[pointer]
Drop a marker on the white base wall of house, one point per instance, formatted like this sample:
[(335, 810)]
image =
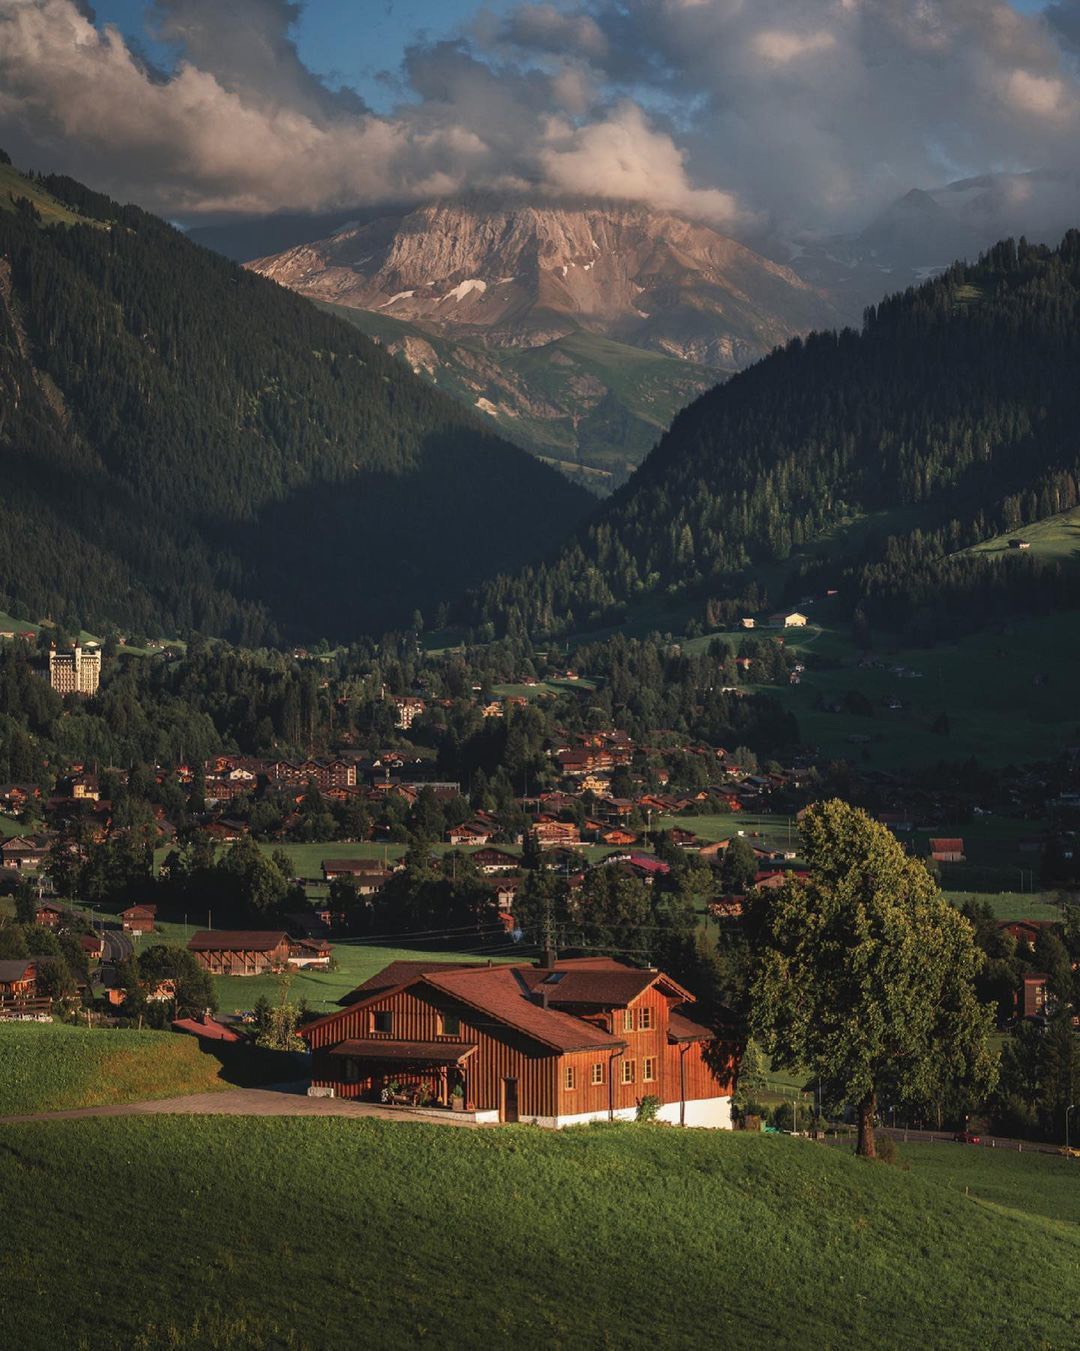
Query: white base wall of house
[(707, 1113), (710, 1113)]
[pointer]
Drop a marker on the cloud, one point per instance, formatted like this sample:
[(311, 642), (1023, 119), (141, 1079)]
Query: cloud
[(807, 113)]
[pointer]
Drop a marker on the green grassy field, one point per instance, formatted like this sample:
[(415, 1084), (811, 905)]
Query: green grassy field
[(53, 1066), (251, 1232), (1056, 538), (322, 989)]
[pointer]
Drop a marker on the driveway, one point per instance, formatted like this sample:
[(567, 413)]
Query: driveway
[(278, 1100)]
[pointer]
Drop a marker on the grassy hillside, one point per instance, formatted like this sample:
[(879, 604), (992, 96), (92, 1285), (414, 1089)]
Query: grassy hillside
[(53, 1067), (1007, 692), (589, 405), (14, 185), (317, 1232)]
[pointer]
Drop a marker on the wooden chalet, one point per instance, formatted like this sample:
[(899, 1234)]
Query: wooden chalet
[(18, 978), (138, 919), (24, 852), (240, 952), (581, 1040), (49, 914), (305, 953)]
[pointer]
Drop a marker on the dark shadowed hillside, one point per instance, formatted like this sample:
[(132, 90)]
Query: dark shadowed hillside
[(186, 445)]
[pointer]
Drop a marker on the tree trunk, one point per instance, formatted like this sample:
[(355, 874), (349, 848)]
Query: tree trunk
[(867, 1147)]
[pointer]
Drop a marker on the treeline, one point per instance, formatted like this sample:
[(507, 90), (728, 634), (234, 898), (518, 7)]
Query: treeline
[(952, 413), (191, 447), (172, 709)]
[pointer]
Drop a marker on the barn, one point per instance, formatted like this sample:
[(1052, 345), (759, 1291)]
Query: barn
[(581, 1040), (240, 952)]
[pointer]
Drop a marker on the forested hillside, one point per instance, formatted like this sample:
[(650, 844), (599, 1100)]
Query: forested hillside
[(856, 462), (186, 445)]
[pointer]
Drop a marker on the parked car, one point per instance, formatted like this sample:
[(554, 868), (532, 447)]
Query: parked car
[(967, 1138)]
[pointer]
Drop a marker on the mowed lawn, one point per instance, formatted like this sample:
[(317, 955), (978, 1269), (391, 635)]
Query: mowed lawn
[(254, 1232)]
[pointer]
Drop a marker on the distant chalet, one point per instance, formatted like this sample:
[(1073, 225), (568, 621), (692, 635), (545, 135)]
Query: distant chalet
[(240, 952), (583, 1040)]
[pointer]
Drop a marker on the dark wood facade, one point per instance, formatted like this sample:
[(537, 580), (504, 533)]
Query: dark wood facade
[(619, 1056)]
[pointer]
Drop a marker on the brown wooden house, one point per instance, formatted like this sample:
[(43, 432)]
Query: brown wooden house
[(18, 979), (583, 1040), (240, 952), (138, 919)]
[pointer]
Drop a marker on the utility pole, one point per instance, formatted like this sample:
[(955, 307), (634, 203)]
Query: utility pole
[(550, 955)]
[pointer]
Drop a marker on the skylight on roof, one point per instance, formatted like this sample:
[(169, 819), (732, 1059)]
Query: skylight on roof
[(554, 978)]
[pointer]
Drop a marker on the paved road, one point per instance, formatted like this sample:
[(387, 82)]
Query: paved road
[(118, 948), (279, 1100)]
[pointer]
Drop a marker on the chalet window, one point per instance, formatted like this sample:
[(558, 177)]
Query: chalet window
[(644, 1019), (598, 1072), (449, 1025), (628, 1071), (628, 1020), (569, 1078), (648, 1069), (382, 1021), (352, 1071)]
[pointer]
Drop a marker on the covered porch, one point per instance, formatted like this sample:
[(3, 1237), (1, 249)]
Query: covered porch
[(415, 1074)]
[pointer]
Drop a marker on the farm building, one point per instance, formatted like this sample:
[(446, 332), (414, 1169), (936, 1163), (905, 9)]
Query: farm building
[(240, 952), (790, 619), (49, 914), (947, 850), (581, 1040)]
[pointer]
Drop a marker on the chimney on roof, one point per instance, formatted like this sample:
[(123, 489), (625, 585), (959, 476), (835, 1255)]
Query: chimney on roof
[(544, 992)]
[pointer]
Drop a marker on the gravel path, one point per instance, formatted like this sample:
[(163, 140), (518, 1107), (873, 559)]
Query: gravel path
[(280, 1100)]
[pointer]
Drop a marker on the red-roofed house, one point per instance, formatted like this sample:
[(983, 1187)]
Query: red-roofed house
[(584, 1040), (947, 850)]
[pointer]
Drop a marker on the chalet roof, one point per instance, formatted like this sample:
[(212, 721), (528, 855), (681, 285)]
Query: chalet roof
[(947, 846), (150, 910), (607, 987), (409, 1052), (394, 976), (501, 993), (237, 940), (15, 968), (352, 865), (681, 1028)]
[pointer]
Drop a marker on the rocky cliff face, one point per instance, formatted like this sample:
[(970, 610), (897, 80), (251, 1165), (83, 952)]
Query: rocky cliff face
[(525, 275), (580, 329)]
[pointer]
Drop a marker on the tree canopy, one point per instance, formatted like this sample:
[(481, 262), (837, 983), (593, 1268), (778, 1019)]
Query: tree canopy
[(863, 974)]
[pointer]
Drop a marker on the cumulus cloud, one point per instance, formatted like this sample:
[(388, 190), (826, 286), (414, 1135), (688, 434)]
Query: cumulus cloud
[(810, 113)]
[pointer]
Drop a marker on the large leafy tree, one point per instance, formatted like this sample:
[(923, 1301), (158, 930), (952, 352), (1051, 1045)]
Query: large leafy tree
[(864, 973)]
